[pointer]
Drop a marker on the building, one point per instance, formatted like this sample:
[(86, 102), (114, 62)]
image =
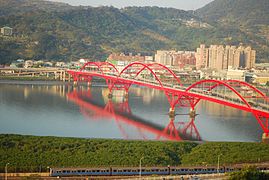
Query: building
[(219, 57), (201, 57), (177, 59), (261, 78), (122, 60), (149, 59), (164, 57), (6, 31), (128, 58), (235, 74), (28, 64)]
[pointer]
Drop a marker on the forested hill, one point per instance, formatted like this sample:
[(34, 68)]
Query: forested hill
[(242, 12), (58, 31), (15, 7)]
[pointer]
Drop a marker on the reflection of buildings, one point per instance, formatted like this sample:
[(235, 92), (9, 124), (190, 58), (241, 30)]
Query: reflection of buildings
[(147, 94), (57, 90), (118, 96), (125, 120), (221, 110)]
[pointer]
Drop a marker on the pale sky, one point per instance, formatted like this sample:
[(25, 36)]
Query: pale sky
[(179, 4)]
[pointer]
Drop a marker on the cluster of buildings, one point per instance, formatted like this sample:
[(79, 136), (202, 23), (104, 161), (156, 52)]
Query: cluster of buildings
[(176, 59), (6, 31), (21, 63), (219, 57), (213, 62), (173, 59)]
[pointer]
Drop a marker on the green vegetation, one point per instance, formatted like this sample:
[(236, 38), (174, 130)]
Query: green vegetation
[(229, 152), (57, 31), (249, 173), (29, 152), (32, 153)]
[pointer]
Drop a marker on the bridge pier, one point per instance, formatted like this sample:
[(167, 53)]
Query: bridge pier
[(172, 113), (75, 83), (265, 138), (192, 113), (110, 95)]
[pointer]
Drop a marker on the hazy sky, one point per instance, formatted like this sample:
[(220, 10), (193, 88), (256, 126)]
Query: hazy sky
[(179, 4)]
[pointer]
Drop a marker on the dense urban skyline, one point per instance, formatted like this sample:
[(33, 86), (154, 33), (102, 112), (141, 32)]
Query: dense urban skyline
[(179, 4)]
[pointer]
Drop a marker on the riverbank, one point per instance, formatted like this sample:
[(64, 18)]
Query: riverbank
[(36, 153), (28, 78)]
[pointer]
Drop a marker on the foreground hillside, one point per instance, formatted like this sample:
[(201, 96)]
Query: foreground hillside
[(32, 153), (58, 31)]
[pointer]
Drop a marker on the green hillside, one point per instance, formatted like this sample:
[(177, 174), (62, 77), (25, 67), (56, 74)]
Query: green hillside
[(15, 7), (57, 31), (237, 12)]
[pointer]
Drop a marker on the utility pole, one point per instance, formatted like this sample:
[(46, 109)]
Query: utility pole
[(140, 168), (6, 171)]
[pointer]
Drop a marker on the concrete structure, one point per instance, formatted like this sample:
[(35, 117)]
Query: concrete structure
[(219, 58), (149, 59), (261, 78), (235, 74), (28, 64), (6, 31)]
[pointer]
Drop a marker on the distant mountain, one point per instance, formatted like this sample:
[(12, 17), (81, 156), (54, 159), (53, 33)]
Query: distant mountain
[(15, 7), (237, 12), (58, 31)]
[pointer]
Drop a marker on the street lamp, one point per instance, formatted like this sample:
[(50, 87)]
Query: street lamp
[(140, 168), (49, 169), (218, 161), (6, 171)]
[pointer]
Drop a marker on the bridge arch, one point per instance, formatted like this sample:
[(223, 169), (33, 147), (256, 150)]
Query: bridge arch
[(250, 86), (99, 65), (143, 67), (164, 68), (217, 84)]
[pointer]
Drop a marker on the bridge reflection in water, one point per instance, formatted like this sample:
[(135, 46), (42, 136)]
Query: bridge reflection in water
[(119, 110)]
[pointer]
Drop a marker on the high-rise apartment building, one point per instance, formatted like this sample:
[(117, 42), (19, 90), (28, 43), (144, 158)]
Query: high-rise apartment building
[(201, 57), (219, 58), (165, 57)]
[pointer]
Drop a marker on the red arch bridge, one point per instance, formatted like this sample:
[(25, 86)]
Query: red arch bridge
[(233, 93)]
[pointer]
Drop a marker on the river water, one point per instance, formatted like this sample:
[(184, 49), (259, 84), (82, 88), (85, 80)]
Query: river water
[(55, 109)]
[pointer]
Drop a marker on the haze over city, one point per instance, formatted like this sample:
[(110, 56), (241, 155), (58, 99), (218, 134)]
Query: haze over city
[(179, 4)]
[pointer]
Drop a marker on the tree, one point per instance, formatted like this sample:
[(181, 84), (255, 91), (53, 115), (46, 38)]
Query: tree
[(249, 173)]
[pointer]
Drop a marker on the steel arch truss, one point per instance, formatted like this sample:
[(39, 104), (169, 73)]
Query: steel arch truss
[(104, 68), (155, 74), (238, 92)]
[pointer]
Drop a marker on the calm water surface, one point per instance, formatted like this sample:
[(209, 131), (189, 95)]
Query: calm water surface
[(50, 109)]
